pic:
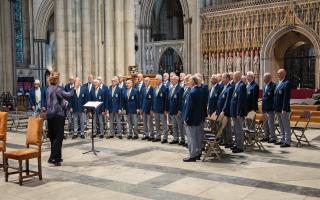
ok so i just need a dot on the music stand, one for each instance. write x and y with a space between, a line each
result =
92 106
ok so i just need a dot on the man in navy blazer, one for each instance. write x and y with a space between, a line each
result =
132 108
186 92
175 101
238 111
166 80
37 97
160 109
68 87
214 94
89 87
115 106
192 118
252 97
146 105
77 109
268 109
139 86
223 108
97 94
282 96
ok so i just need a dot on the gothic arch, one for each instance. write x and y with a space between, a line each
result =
43 15
269 45
145 25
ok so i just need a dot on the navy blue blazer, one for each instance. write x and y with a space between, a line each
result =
78 102
282 96
238 103
268 97
160 101
223 104
131 103
193 113
252 96
32 97
175 100
147 100
86 86
67 87
100 97
205 95
185 95
213 99
115 102
166 83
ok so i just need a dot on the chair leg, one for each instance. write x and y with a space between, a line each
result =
6 169
27 167
20 172
39 168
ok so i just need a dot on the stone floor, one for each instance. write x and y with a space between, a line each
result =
144 170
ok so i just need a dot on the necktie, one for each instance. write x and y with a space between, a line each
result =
157 91
128 93
78 92
113 89
97 89
212 89
172 90
89 87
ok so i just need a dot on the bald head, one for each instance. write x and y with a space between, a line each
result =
147 81
282 74
237 76
140 77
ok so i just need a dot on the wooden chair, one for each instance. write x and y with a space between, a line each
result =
3 134
252 137
34 140
212 147
300 127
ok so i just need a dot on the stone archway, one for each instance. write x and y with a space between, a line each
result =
268 49
43 15
144 34
170 60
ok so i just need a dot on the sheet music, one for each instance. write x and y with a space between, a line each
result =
93 104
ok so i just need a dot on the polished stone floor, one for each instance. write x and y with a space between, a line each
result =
127 169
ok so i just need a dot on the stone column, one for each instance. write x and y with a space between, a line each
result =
109 39
101 39
59 25
85 39
119 37
70 37
129 35
78 39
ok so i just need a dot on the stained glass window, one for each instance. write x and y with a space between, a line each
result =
18 25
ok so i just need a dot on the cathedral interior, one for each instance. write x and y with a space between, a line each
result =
98 46
105 38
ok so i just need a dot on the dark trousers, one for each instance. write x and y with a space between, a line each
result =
56 131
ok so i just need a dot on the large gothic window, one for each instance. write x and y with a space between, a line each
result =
167 20
18 30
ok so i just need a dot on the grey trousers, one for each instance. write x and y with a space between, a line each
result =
99 117
177 127
70 120
285 127
268 126
148 129
238 130
200 138
193 143
132 124
161 118
78 116
227 132
113 116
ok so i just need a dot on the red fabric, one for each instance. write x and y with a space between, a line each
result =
301 93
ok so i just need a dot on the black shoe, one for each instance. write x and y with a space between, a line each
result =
285 145
120 137
199 157
64 137
174 142
233 147
228 146
272 141
129 137
145 138
101 136
164 141
264 140
279 143
50 161
150 139
237 150
182 143
93 136
109 136
156 140
82 137
57 164
190 159
135 137
74 137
